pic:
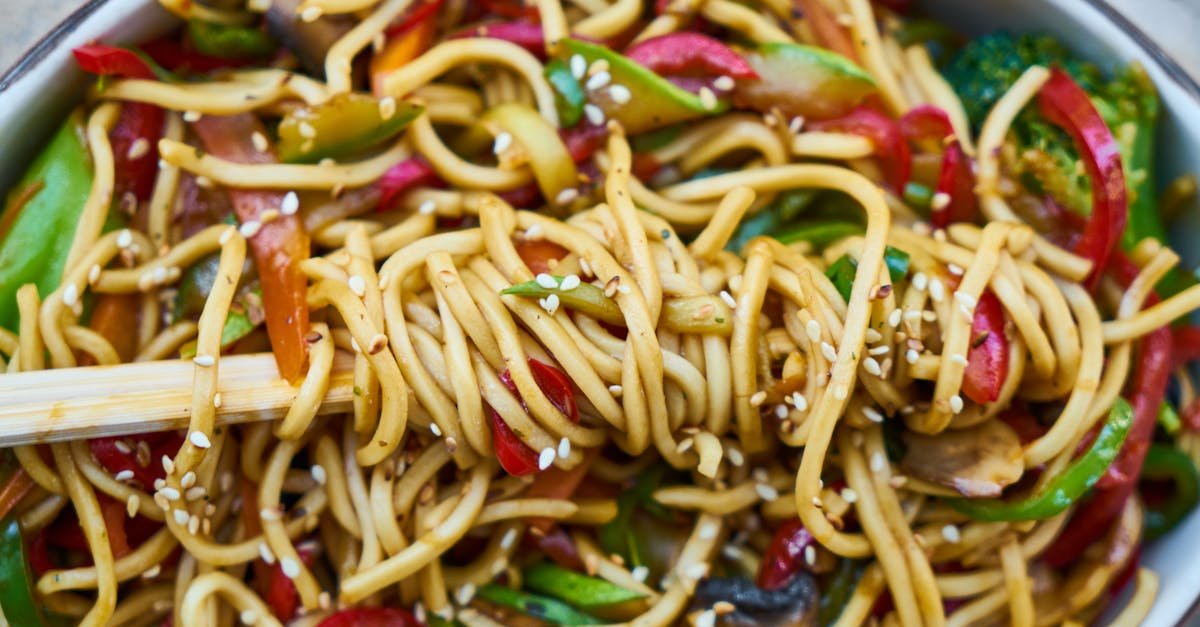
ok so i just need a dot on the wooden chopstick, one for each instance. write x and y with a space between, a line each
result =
74 403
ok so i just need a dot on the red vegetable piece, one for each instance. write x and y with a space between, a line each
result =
415 15
105 60
690 54
169 53
926 122
1186 344
559 547
987 359
890 147
784 557
1067 105
538 253
117 454
514 456
957 182
829 33
371 617
404 177
281 594
525 34
136 172
512 8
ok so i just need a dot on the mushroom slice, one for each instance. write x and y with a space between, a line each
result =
977 462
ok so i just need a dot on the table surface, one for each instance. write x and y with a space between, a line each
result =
1172 23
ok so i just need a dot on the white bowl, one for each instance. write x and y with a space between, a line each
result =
44 84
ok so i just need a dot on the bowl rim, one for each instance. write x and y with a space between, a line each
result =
40 50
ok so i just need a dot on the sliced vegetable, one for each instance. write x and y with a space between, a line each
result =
977 462
1068 486
120 454
1166 463
987 359
577 589
370 617
584 298
552 165
653 101
402 178
688 53
194 286
405 46
309 41
226 41
819 234
890 147
540 255
514 456
17 599
802 80
38 223
558 483
279 245
343 125
827 29
103 60
616 536
697 314
1169 419
954 200
786 207
545 608
784 557
837 592
568 93
527 35
842 271
1066 104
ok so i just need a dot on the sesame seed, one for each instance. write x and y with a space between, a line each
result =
199 439
248 617
265 553
427 208
570 282
509 539
920 281
928 316
849 495
840 392
290 204
799 401
956 404
594 114
578 66
311 14
566 196
70 295
872 414
132 504
502 143
168 465
550 303
873 336
535 232
810 555
696 571
951 534
387 107
217 400
250 228
290 567
879 350
724 83
437 431
939 201
204 182
796 124
181 516
954 269
878 462
598 80
620 94
195 493
270 513
124 238
546 281
937 290
965 299
735 457
813 329
707 618
260 141
564 448
728 298
191 116
640 573
708 99
226 235
872 366
318 474
781 411
546 458
958 359
758 398
911 356
160 484
615 389
828 352
188 480
465 593
93 274
138 149
358 285
766 491
124 475
894 318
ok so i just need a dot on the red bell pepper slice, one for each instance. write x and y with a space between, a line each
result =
15 489
829 33
515 457
525 34
371 617
784 557
690 54
512 8
556 483
926 122
279 246
117 454
987 359
416 14
956 181
538 253
557 545
404 177
1186 344
281 594
105 60
890 146
1067 105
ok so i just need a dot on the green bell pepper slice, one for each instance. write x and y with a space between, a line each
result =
40 216
569 97
655 102
1065 489
1167 463
545 608
584 298
837 592
17 599
785 208
842 271
819 234
343 125
577 589
226 41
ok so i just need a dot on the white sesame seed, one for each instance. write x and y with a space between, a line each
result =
318 474
920 281
265 553
598 80
965 299
168 464
566 196
187 480
181 516
873 336
878 462
840 392
226 235
358 285
894 318
872 414
578 66
387 107
707 618
250 228
799 401
796 124
708 99
766 491
552 303
546 281
939 201
696 571
204 182
138 149
437 431
290 567
465 593
813 329
124 475
937 290
311 14
290 204
828 352
781 411
728 298
879 350
509 539
428 207
928 316
546 458
160 484
307 131
620 94
124 238
70 295
191 116
269 513
195 492
954 269
94 274
959 359
956 404
810 555
758 398
570 282
564 448
849 495
911 356
199 439
217 400
260 141
951 534
248 617
535 232
503 142
872 366
615 389
735 457
594 114
640 573
152 572
724 83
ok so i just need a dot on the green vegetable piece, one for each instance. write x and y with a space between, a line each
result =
569 97
919 31
656 102
1068 486
584 298
40 216
839 590
194 286
226 41
575 588
842 271
655 139
545 608
433 620
803 80
1167 463
1168 419
616 536
819 234
345 124
918 195
17 600
897 262
786 207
